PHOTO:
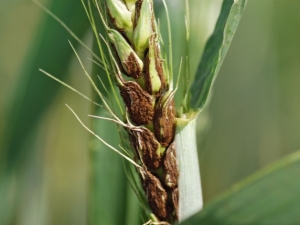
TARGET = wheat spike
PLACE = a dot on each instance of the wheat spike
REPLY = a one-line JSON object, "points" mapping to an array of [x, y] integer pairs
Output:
{"points": [[134, 37]]}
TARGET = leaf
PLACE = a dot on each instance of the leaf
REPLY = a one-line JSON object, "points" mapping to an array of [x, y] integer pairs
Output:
{"points": [[215, 51], [270, 196], [35, 92]]}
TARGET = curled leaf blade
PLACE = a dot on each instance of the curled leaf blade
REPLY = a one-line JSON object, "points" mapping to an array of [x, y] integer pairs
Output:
{"points": [[215, 51]]}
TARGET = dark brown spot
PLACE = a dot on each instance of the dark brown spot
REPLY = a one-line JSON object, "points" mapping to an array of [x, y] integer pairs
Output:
{"points": [[175, 198], [138, 102], [156, 195], [118, 60], [164, 122], [170, 167], [132, 66], [146, 144]]}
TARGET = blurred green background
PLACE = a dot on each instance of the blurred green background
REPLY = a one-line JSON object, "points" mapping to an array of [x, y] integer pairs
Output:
{"points": [[251, 121]]}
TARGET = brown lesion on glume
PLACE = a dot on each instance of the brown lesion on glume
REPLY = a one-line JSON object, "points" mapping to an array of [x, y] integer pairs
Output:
{"points": [[146, 145], [175, 199], [158, 67], [138, 102], [164, 121], [170, 178], [156, 195], [170, 169], [132, 66]]}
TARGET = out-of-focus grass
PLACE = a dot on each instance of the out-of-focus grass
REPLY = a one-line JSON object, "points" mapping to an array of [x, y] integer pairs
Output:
{"points": [[19, 19], [253, 115]]}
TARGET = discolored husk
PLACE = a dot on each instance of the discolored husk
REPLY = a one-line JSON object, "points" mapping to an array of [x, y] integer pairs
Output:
{"points": [[164, 121], [170, 167], [138, 102], [175, 199], [156, 195], [154, 77], [132, 66], [131, 63], [145, 143]]}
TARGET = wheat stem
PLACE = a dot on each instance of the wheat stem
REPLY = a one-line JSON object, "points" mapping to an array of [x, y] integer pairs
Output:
{"points": [[189, 183]]}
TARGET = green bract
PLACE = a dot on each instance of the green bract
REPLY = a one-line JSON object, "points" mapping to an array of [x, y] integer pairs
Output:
{"points": [[121, 16], [144, 28], [153, 74], [131, 63], [131, 7]]}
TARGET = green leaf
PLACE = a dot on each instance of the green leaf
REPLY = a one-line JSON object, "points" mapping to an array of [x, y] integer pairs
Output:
{"points": [[35, 92], [215, 51], [271, 196]]}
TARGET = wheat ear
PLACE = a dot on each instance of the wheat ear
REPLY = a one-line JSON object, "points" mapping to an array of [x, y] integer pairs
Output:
{"points": [[149, 99]]}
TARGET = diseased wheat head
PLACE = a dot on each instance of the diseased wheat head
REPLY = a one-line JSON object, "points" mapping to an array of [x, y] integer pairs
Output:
{"points": [[149, 98]]}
